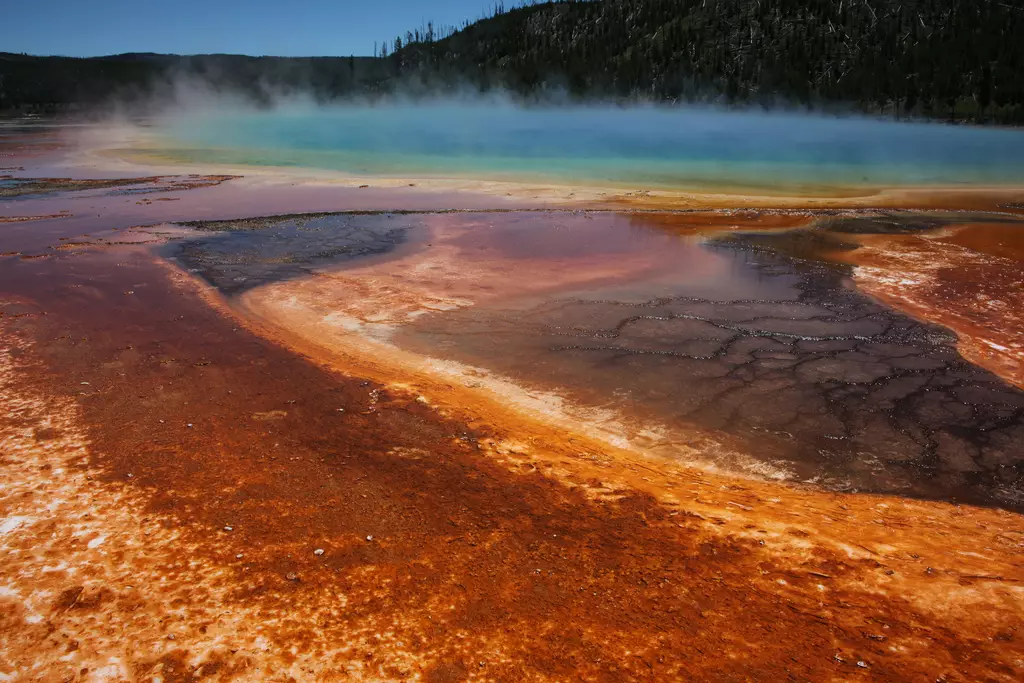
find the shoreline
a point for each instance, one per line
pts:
(589, 195)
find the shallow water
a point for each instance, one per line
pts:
(750, 336)
(237, 260)
(820, 382)
(638, 147)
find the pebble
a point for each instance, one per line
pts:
(189, 425)
(318, 552)
(291, 576)
(369, 538)
(228, 528)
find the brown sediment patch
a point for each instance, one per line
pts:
(500, 551)
(969, 279)
(1001, 240)
(20, 187)
(29, 186)
(699, 222)
(927, 199)
(25, 219)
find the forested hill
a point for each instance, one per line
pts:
(58, 83)
(928, 57)
(933, 58)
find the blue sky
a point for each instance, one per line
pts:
(257, 27)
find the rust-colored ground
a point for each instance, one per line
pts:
(169, 479)
(31, 186)
(188, 492)
(969, 279)
(928, 199)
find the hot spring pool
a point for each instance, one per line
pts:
(651, 147)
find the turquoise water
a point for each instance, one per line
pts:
(638, 147)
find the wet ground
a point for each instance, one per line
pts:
(239, 255)
(752, 335)
(191, 492)
(12, 187)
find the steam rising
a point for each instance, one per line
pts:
(642, 145)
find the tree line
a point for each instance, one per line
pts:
(932, 58)
(946, 59)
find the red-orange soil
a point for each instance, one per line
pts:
(190, 492)
(170, 478)
(969, 279)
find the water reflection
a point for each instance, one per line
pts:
(760, 344)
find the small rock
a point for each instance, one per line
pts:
(228, 528)
(291, 576)
(170, 636)
(238, 556)
(369, 538)
(318, 552)
(85, 384)
(862, 665)
(189, 425)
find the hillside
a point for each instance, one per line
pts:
(936, 58)
(56, 83)
(933, 58)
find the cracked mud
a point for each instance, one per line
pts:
(820, 380)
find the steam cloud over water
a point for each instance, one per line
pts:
(646, 146)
